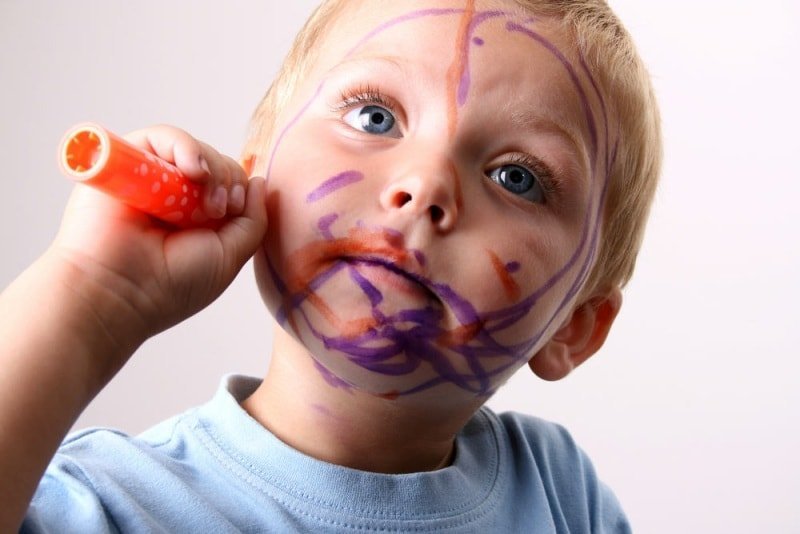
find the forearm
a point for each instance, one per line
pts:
(58, 347)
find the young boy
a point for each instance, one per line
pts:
(455, 188)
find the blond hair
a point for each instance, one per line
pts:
(610, 56)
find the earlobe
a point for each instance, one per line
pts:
(581, 335)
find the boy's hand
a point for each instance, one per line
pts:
(154, 274)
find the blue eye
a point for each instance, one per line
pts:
(375, 120)
(518, 180)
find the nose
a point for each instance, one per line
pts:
(428, 191)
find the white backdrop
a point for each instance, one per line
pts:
(690, 412)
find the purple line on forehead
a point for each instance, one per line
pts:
(514, 27)
(334, 184)
(477, 20)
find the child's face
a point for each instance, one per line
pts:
(434, 194)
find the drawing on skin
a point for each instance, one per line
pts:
(399, 343)
(333, 184)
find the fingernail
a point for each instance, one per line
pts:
(237, 197)
(204, 164)
(220, 199)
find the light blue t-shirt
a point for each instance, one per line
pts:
(215, 469)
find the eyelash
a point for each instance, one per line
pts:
(364, 94)
(540, 169)
(369, 94)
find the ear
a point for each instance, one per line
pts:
(581, 335)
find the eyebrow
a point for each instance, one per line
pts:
(528, 119)
(393, 62)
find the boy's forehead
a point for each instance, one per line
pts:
(419, 34)
(433, 30)
(362, 23)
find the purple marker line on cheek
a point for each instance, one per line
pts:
(334, 184)
(324, 225)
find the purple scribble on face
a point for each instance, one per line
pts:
(334, 184)
(324, 224)
(477, 20)
(412, 337)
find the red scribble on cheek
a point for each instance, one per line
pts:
(460, 336)
(510, 285)
(347, 329)
(456, 69)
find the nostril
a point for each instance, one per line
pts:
(437, 214)
(401, 199)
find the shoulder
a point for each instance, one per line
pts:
(544, 458)
(98, 473)
(537, 437)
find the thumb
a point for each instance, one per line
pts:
(242, 235)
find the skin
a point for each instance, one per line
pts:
(372, 229)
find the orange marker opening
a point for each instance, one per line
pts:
(81, 155)
(94, 156)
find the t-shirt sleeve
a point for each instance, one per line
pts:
(65, 501)
(548, 459)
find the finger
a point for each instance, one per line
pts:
(238, 191)
(226, 174)
(218, 183)
(241, 236)
(175, 146)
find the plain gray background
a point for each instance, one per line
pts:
(690, 412)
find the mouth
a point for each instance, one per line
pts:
(380, 274)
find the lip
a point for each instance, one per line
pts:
(386, 273)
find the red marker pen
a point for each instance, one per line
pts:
(92, 155)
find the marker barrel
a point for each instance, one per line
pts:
(92, 155)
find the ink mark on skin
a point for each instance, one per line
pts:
(467, 356)
(457, 86)
(514, 27)
(289, 126)
(510, 286)
(325, 223)
(333, 184)
(420, 257)
(478, 41)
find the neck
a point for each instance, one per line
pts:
(348, 427)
